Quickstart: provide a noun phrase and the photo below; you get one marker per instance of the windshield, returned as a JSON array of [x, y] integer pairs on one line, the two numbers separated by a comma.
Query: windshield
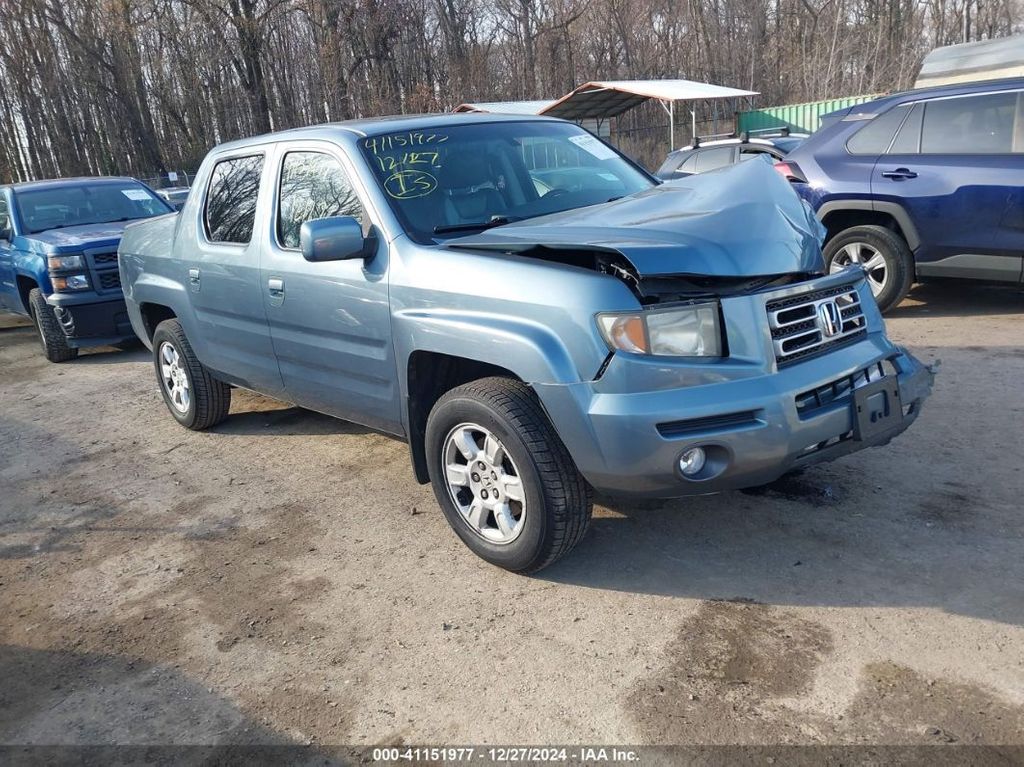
[[87, 203], [453, 180]]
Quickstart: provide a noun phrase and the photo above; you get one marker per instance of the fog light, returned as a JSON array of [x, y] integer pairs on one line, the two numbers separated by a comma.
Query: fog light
[[692, 461]]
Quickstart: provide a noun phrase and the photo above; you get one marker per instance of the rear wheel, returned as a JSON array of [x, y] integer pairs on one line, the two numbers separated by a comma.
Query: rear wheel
[[51, 336], [503, 478], [195, 398], [884, 255]]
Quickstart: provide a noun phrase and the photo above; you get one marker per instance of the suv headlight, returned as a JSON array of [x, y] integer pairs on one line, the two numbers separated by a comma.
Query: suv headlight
[[691, 331], [62, 263]]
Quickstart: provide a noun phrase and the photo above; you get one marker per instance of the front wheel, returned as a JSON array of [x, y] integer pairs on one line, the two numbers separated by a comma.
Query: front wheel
[[884, 255], [51, 336], [502, 476], [195, 398]]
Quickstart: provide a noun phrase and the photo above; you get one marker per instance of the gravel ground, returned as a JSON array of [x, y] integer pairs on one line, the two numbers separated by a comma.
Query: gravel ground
[[283, 579]]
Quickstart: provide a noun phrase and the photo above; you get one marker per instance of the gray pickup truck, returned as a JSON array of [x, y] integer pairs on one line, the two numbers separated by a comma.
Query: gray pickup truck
[[536, 315]]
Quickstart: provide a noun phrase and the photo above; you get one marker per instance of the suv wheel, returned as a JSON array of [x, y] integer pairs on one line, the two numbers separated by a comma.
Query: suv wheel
[[503, 478], [51, 336], [883, 254], [195, 398]]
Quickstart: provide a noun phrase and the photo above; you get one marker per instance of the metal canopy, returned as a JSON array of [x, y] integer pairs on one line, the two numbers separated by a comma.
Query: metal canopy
[[603, 99]]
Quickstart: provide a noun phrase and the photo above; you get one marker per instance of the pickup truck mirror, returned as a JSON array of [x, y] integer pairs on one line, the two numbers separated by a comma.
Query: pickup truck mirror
[[334, 239]]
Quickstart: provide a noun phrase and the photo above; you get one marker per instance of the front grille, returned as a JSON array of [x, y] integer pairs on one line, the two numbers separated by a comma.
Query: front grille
[[110, 280], [840, 391], [101, 259], [798, 331]]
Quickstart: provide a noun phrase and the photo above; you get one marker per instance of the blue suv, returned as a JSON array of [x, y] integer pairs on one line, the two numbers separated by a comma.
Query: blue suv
[[927, 183]]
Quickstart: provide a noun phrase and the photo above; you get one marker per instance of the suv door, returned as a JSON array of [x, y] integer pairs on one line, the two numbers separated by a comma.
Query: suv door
[[8, 284], [330, 321], [956, 166], [232, 336]]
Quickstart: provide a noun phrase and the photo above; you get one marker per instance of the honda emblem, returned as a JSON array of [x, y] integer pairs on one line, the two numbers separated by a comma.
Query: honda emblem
[[830, 319]]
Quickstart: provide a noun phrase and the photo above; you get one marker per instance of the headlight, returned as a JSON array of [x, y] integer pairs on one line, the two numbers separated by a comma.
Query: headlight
[[60, 263], [70, 282], [692, 331]]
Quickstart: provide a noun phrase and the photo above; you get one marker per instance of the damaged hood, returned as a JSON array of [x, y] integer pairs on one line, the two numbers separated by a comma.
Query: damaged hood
[[741, 221]]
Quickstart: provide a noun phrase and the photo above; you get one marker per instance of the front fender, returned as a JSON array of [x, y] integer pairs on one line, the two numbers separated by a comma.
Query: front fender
[[33, 266], [528, 349]]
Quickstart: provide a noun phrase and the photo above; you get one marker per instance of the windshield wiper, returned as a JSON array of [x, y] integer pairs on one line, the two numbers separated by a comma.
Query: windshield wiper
[[479, 225], [119, 220]]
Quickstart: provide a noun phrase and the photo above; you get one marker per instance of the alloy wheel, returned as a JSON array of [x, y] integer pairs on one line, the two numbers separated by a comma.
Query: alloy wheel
[[174, 377], [866, 256], [484, 483]]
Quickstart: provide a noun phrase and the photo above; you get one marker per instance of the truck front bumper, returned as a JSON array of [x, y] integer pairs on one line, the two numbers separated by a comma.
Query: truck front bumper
[[89, 320], [754, 420], [630, 444]]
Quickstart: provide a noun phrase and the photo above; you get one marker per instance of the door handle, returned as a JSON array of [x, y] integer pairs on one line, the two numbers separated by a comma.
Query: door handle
[[276, 286], [899, 174], [193, 280]]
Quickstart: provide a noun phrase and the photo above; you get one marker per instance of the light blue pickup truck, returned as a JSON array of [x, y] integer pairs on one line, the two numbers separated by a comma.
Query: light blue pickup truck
[[58, 258], [536, 315]]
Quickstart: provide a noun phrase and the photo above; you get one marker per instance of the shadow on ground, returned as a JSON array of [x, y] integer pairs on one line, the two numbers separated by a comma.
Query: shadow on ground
[[959, 298], [68, 698], [821, 538]]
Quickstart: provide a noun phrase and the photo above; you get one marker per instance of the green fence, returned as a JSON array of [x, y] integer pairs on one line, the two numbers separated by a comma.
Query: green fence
[[804, 118]]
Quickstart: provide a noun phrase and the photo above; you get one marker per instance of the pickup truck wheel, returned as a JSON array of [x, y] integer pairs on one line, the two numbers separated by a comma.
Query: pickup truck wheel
[[883, 253], [503, 478], [195, 398], [51, 336]]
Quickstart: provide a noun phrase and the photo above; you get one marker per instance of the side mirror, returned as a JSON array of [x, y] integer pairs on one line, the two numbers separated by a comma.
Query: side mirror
[[338, 238]]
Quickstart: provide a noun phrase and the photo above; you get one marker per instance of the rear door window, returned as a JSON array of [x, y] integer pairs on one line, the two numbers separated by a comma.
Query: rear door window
[[230, 211], [313, 185], [970, 124], [908, 140], [710, 159]]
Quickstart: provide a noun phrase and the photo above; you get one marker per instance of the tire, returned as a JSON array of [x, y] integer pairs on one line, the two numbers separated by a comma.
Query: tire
[[860, 244], [555, 506], [51, 335], [195, 398]]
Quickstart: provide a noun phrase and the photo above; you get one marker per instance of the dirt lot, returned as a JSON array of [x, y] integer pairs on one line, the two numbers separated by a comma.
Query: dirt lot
[[283, 579]]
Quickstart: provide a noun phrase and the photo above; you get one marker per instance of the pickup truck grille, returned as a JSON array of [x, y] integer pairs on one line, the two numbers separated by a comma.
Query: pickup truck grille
[[103, 266], [109, 280], [811, 324]]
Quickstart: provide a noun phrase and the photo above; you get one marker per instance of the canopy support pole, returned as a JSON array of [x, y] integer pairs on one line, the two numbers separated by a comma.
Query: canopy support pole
[[668, 107]]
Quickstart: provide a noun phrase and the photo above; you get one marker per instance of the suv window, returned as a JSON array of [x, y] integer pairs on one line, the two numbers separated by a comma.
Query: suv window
[[5, 218], [908, 140], [719, 157], [231, 200], [313, 185], [970, 125], [689, 165], [875, 137]]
